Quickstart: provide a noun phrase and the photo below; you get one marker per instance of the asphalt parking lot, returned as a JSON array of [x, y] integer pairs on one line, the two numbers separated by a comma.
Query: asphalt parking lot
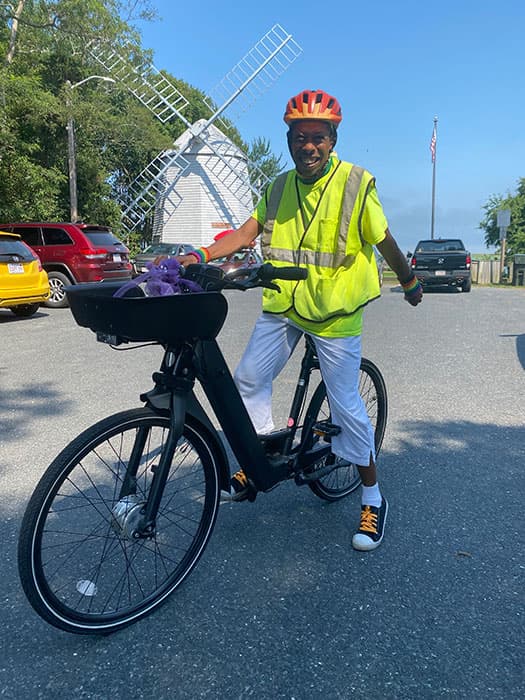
[[280, 606]]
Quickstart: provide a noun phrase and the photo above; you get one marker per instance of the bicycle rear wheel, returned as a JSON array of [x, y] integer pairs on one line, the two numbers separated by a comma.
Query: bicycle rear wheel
[[345, 477], [81, 565]]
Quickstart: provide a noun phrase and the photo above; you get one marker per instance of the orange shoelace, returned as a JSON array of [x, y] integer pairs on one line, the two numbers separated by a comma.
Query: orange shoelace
[[368, 520], [240, 476]]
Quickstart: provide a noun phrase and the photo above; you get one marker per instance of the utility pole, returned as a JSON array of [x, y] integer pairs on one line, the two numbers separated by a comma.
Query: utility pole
[[71, 143], [503, 222], [433, 149]]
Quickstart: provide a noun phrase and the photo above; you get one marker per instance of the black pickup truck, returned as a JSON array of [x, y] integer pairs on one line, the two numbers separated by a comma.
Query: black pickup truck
[[442, 262]]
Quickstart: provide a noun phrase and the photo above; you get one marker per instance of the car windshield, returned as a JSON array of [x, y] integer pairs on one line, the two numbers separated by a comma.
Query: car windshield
[[102, 238], [439, 246], [163, 249], [240, 255], [10, 247]]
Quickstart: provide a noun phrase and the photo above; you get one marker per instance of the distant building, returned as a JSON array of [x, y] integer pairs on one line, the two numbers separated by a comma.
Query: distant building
[[211, 195]]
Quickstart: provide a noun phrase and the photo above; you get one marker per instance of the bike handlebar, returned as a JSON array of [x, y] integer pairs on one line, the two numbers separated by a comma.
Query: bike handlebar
[[268, 271], [212, 279]]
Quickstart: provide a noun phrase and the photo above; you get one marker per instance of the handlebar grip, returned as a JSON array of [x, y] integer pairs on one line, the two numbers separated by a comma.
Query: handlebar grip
[[270, 272]]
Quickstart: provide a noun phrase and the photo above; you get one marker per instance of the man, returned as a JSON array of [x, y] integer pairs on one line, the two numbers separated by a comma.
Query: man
[[326, 216]]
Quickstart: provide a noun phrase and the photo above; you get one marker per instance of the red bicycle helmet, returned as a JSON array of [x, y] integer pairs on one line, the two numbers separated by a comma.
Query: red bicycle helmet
[[313, 104]]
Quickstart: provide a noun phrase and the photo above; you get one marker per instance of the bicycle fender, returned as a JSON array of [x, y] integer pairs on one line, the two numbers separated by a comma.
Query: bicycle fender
[[160, 401]]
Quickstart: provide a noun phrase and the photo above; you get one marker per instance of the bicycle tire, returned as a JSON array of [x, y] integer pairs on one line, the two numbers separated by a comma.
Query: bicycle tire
[[345, 479], [80, 569]]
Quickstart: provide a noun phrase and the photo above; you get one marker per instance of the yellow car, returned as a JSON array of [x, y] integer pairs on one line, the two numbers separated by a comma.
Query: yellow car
[[23, 282]]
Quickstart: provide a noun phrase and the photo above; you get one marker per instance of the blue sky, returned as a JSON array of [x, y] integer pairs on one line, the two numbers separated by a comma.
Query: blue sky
[[393, 66]]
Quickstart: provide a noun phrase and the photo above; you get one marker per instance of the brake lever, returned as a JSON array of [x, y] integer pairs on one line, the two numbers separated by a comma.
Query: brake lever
[[249, 279], [270, 285]]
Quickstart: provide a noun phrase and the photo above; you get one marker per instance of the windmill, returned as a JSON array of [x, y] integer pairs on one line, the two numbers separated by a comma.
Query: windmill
[[204, 181]]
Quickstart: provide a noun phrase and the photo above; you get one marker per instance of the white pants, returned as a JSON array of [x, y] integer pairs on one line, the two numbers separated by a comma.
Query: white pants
[[269, 348]]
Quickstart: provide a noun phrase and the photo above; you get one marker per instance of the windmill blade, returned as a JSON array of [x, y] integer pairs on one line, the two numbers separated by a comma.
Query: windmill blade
[[255, 73], [154, 186], [151, 186], [144, 81]]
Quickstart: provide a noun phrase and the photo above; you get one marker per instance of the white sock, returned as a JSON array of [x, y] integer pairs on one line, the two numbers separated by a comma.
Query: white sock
[[371, 495]]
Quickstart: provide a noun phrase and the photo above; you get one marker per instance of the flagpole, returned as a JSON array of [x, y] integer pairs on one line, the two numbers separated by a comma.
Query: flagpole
[[433, 148]]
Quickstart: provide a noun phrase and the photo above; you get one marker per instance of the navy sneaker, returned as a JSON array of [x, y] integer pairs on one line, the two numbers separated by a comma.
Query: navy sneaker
[[239, 487], [371, 528]]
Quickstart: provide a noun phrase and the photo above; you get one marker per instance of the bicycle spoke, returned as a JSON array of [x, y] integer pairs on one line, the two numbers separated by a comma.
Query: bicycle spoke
[[89, 565]]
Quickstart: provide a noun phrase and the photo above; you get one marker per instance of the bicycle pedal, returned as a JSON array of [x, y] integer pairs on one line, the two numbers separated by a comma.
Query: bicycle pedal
[[326, 429]]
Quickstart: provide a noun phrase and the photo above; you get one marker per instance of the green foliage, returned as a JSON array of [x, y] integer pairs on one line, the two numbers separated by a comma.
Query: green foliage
[[28, 191], [133, 241], [515, 242], [260, 153], [42, 49]]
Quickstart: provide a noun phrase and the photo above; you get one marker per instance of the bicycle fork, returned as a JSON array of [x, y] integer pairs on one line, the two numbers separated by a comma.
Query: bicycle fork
[[135, 518]]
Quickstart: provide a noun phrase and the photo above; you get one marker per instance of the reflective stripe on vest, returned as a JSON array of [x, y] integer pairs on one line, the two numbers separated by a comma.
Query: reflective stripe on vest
[[309, 257]]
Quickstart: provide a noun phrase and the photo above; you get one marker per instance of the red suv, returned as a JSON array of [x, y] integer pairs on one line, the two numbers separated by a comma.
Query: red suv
[[74, 253]]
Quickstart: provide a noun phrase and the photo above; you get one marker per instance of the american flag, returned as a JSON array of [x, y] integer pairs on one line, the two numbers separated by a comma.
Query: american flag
[[433, 145]]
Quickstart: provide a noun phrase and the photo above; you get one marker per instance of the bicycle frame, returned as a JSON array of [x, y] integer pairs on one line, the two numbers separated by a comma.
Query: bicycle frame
[[202, 360]]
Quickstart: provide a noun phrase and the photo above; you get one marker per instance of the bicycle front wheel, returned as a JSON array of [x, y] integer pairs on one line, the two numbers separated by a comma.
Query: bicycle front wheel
[[81, 564], [345, 477]]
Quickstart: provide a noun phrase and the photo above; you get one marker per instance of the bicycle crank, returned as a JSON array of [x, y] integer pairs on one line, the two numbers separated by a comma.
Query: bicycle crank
[[307, 477]]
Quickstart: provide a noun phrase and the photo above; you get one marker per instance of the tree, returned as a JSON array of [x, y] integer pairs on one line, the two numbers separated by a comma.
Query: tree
[[516, 232], [260, 153], [44, 44]]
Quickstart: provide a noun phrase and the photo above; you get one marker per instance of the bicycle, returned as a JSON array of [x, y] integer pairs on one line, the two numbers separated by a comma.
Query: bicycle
[[124, 512]]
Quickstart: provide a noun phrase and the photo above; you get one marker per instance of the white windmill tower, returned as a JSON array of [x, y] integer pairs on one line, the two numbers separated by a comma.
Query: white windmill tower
[[204, 182]]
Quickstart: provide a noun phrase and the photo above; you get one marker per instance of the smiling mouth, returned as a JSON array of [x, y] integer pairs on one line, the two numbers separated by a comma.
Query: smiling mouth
[[310, 162]]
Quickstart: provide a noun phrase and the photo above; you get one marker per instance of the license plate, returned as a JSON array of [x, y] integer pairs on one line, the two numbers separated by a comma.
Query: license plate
[[440, 273], [15, 268], [117, 257]]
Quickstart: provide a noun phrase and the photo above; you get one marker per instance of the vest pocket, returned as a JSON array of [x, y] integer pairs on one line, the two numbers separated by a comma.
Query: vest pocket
[[324, 296], [326, 236]]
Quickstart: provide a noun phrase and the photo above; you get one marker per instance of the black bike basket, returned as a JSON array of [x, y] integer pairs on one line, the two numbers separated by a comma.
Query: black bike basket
[[135, 317]]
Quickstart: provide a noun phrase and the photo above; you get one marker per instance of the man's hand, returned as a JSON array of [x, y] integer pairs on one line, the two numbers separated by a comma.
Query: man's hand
[[398, 263], [415, 298], [184, 260], [413, 290]]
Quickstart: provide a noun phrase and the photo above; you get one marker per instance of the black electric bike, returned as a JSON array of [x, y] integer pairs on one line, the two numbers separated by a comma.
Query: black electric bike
[[124, 512]]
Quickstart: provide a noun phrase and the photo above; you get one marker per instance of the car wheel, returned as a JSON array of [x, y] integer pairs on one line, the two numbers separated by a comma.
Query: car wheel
[[466, 286], [25, 310], [57, 283]]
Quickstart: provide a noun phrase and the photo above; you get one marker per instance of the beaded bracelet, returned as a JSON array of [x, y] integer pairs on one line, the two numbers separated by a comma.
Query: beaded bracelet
[[411, 286], [201, 254]]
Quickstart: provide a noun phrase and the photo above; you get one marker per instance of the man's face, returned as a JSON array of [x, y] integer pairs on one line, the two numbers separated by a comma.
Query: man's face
[[310, 144]]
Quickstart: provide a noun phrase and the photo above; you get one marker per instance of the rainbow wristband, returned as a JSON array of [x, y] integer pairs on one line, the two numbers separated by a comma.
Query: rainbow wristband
[[201, 254], [412, 285]]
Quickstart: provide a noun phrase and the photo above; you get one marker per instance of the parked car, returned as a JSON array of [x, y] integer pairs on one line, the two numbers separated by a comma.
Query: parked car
[[246, 257], [23, 282], [74, 253], [154, 250]]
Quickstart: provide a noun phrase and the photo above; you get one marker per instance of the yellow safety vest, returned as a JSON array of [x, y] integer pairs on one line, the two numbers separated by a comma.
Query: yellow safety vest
[[342, 270]]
